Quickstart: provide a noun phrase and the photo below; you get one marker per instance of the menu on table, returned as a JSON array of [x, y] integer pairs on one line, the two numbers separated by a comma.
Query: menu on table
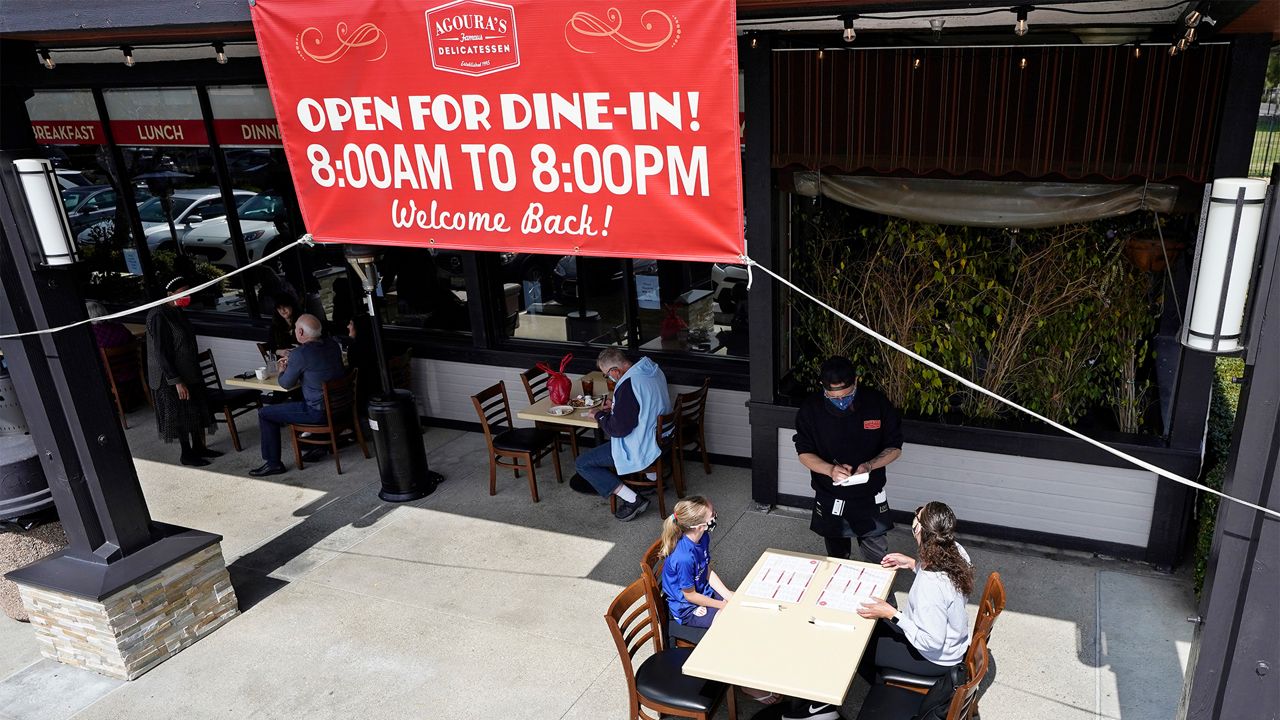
[[851, 586], [783, 578]]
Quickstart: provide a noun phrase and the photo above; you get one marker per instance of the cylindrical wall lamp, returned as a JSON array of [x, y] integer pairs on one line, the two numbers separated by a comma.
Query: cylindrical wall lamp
[[40, 187], [1223, 267]]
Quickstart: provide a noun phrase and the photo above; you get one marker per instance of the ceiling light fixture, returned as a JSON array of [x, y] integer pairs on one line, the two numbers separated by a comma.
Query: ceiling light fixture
[[46, 59], [221, 51], [1020, 27], [849, 33], [936, 25], [128, 55]]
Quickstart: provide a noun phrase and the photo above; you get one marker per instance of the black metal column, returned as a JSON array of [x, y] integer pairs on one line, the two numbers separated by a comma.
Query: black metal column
[[1235, 660], [755, 56], [113, 540]]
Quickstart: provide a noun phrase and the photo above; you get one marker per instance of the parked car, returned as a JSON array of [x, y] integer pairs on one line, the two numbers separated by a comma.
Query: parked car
[[260, 219], [189, 207], [87, 204]]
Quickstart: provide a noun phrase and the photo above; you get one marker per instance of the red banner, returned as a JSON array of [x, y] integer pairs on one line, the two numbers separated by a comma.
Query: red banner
[[543, 125]]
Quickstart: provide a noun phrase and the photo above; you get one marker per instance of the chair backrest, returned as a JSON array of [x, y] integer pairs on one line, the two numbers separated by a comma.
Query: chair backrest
[[340, 398], [535, 383], [632, 624], [666, 428], [122, 357], [400, 369], [989, 608], [692, 406], [209, 370], [657, 601], [965, 699], [494, 410]]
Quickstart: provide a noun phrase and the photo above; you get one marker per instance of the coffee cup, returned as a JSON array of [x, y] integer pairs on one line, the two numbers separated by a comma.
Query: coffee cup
[[261, 373]]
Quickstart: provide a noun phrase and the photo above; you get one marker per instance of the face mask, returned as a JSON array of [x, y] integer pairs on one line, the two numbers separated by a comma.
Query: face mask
[[841, 403], [711, 524], [183, 301]]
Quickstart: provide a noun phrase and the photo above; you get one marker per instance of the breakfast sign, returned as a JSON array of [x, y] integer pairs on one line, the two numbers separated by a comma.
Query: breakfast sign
[[551, 126]]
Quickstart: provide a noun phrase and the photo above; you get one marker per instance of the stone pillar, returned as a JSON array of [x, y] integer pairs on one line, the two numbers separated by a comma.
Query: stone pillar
[[140, 626]]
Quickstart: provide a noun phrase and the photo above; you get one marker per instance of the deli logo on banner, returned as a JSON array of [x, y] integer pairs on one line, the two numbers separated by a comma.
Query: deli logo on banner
[[549, 126], [473, 37]]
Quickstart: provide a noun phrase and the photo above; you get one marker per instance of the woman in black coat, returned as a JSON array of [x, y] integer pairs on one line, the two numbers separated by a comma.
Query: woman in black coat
[[173, 369]]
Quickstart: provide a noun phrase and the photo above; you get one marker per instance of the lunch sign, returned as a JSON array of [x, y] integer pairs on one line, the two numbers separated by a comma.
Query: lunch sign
[[542, 126]]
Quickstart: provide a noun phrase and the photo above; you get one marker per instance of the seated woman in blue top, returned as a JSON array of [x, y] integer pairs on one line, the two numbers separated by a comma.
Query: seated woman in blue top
[[931, 635]]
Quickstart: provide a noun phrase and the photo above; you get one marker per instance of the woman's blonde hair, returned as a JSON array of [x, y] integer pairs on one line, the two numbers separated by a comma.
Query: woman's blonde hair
[[688, 513]]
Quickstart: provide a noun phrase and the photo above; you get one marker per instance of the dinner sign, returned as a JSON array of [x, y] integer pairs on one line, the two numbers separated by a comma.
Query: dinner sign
[[551, 126]]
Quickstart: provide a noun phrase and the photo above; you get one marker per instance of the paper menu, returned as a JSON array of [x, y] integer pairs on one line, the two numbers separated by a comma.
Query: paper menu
[[850, 586], [783, 578]]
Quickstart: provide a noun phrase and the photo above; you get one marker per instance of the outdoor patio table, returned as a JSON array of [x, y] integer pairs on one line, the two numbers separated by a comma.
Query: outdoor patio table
[[771, 644], [580, 417], [270, 384]]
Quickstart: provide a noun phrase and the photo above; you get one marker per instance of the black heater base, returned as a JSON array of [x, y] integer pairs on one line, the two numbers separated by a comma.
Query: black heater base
[[397, 441]]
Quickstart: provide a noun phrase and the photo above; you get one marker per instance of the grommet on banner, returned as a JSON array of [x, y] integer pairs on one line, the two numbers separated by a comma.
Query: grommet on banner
[[750, 275]]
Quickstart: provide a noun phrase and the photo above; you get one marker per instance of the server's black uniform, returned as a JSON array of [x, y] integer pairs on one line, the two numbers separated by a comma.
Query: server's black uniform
[[850, 437]]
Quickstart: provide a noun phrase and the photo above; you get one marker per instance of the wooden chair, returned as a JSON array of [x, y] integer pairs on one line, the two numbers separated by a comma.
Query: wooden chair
[[340, 417], [692, 408], [668, 459], [510, 447], [535, 386], [888, 702], [659, 683], [671, 631], [231, 403], [118, 361], [989, 608]]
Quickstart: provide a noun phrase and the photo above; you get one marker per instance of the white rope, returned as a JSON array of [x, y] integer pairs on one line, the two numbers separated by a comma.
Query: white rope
[[1103, 446], [304, 240]]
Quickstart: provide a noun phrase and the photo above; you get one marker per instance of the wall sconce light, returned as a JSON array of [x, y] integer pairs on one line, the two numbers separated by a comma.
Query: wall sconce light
[[48, 215], [849, 33], [46, 58], [220, 50], [128, 55], [1020, 27], [1223, 269]]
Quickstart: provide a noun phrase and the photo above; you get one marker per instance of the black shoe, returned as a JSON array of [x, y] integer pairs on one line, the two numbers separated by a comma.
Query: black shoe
[[315, 454], [806, 710], [628, 511], [649, 491], [192, 460], [266, 469], [207, 453]]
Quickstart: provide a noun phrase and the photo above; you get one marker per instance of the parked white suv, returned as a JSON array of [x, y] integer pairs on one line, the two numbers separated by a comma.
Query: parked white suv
[[190, 207], [258, 218]]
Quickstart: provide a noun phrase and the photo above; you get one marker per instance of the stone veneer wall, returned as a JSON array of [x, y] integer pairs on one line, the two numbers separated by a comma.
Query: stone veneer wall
[[139, 627]]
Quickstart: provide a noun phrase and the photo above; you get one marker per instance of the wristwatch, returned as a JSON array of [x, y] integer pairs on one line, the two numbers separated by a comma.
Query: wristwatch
[[894, 619]]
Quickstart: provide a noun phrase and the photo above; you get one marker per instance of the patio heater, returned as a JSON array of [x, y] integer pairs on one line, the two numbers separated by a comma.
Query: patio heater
[[393, 414]]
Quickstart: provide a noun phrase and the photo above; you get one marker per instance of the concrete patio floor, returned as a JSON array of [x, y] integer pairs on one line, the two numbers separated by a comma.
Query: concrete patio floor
[[467, 606]]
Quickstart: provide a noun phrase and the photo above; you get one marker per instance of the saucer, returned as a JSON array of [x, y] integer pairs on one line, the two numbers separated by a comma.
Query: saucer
[[559, 410]]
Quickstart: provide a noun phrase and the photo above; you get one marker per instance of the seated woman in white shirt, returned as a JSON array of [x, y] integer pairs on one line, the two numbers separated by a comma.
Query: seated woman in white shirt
[[932, 634]]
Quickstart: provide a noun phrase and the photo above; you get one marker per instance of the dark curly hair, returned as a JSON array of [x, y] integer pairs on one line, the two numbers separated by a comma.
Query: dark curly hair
[[938, 549]]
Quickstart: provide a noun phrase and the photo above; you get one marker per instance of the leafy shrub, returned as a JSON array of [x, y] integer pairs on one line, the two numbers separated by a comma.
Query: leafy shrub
[[1222, 423]]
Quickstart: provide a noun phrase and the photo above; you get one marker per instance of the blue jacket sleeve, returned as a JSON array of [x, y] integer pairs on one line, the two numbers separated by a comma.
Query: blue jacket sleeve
[[293, 371], [625, 414]]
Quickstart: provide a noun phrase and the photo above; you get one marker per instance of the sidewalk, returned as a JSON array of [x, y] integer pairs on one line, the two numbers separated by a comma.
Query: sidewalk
[[467, 606]]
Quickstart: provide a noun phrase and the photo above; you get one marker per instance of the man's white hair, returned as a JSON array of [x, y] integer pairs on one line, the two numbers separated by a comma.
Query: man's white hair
[[310, 324]]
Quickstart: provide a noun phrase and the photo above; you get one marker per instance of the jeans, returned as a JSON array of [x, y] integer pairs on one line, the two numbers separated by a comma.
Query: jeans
[[596, 465], [272, 417]]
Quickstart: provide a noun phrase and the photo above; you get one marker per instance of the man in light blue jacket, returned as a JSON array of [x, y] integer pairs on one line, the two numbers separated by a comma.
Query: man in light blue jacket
[[639, 397]]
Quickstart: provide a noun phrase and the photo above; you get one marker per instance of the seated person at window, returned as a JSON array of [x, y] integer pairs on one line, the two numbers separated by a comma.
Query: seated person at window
[[108, 333], [283, 320], [315, 361], [629, 421]]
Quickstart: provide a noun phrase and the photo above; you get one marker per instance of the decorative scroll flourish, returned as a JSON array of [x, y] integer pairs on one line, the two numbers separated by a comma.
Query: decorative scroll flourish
[[366, 35], [588, 25]]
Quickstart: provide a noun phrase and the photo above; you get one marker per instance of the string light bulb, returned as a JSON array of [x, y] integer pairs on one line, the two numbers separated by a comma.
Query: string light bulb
[[1182, 44], [1137, 51], [221, 51], [46, 59], [1022, 64], [128, 55], [849, 33], [1191, 35], [915, 64], [821, 54], [1193, 18], [754, 42], [936, 24], [1173, 51], [1020, 27]]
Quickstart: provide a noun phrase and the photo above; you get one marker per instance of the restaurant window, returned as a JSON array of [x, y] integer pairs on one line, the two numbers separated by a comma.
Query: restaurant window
[[423, 288], [169, 165], [563, 298], [67, 125], [688, 307]]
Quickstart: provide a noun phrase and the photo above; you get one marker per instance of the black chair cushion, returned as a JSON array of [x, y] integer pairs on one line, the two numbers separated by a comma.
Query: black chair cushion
[[901, 677], [684, 632], [890, 703], [233, 398], [524, 439], [661, 679]]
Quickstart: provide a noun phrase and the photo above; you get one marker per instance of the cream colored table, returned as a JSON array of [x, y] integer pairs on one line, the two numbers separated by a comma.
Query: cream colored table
[[579, 418], [780, 650], [271, 384]]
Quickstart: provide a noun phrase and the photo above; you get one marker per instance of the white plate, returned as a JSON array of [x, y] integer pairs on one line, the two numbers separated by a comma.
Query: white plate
[[560, 410]]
